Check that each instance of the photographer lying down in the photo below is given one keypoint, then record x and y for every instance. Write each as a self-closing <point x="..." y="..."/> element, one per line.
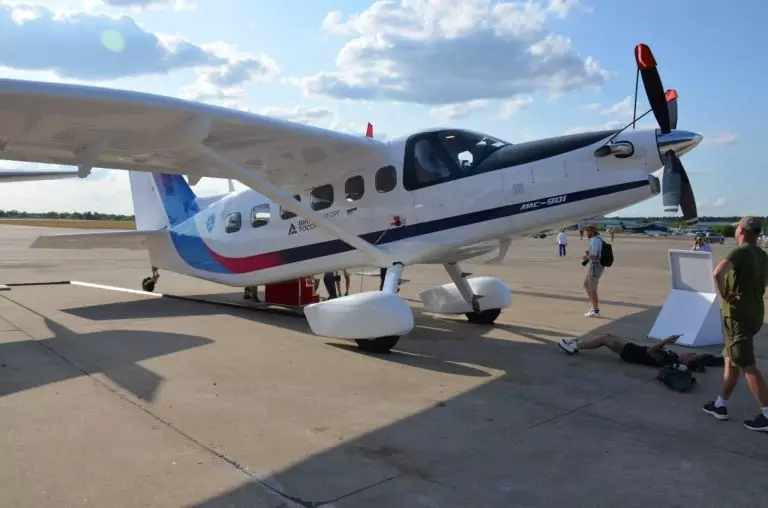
<point x="652" y="356"/>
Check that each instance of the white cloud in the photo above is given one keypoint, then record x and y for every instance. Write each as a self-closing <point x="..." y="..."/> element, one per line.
<point x="104" y="191"/>
<point x="225" y="84"/>
<point x="97" y="47"/>
<point x="445" y="52"/>
<point x="457" y="111"/>
<point x="176" y="5"/>
<point x="514" y="107"/>
<point x="301" y="114"/>
<point x="720" y="138"/>
<point x="622" y="109"/>
<point x="714" y="204"/>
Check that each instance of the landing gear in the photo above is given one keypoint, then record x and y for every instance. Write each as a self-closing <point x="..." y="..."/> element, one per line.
<point x="477" y="316"/>
<point x="381" y="345"/>
<point x="148" y="284"/>
<point x="484" y="317"/>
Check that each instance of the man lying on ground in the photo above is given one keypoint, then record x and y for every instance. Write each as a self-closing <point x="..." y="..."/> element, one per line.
<point x="652" y="356"/>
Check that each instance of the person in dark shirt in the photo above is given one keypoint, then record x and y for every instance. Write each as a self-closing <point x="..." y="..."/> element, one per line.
<point x="741" y="278"/>
<point x="651" y="356"/>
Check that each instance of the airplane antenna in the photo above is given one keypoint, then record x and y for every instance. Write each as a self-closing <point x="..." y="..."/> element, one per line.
<point x="231" y="185"/>
<point x="627" y="126"/>
<point x="634" y="110"/>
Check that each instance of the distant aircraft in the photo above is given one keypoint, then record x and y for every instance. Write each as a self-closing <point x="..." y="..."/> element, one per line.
<point x="653" y="229"/>
<point x="321" y="201"/>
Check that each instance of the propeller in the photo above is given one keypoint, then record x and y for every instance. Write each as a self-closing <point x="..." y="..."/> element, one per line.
<point x="671" y="98"/>
<point x="676" y="189"/>
<point x="654" y="90"/>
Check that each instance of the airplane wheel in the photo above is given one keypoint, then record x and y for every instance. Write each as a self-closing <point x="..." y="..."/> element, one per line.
<point x="484" y="317"/>
<point x="148" y="284"/>
<point x="378" y="345"/>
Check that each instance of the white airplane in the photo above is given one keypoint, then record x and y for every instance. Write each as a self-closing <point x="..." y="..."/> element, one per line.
<point x="320" y="200"/>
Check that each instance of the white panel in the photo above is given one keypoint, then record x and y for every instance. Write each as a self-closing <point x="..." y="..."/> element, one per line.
<point x="694" y="315"/>
<point x="691" y="271"/>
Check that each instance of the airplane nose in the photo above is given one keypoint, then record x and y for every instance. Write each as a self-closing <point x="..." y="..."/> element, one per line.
<point x="680" y="142"/>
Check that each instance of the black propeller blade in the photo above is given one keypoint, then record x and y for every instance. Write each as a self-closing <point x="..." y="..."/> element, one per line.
<point x="677" y="189"/>
<point x="671" y="97"/>
<point x="654" y="90"/>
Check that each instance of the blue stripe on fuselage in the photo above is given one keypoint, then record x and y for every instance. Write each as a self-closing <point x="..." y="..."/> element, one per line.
<point x="193" y="250"/>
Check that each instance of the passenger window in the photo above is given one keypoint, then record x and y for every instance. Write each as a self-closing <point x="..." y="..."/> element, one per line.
<point x="233" y="223"/>
<point x="321" y="197"/>
<point x="354" y="188"/>
<point x="386" y="179"/>
<point x="285" y="214"/>
<point x="260" y="215"/>
<point x="429" y="166"/>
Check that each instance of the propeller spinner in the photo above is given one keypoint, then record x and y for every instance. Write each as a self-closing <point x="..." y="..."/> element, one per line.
<point x="677" y="191"/>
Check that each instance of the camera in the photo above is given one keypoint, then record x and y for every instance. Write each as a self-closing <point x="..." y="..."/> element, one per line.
<point x="585" y="262"/>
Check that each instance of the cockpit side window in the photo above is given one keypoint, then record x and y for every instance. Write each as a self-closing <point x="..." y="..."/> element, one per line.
<point x="469" y="149"/>
<point x="425" y="163"/>
<point x="442" y="156"/>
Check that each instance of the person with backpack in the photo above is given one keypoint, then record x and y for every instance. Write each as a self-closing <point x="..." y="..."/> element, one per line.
<point x="596" y="258"/>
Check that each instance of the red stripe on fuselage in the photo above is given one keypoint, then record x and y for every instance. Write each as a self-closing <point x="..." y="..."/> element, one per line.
<point x="248" y="264"/>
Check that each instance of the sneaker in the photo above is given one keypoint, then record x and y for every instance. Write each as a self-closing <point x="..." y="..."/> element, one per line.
<point x="721" y="413"/>
<point x="592" y="313"/>
<point x="570" y="346"/>
<point x="759" y="423"/>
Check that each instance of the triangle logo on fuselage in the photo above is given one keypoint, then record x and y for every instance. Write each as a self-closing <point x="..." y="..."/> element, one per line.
<point x="292" y="230"/>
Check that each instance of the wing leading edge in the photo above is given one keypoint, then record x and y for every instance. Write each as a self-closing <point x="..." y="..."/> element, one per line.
<point x="78" y="125"/>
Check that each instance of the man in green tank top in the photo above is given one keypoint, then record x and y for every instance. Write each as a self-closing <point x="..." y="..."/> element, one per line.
<point x="741" y="278"/>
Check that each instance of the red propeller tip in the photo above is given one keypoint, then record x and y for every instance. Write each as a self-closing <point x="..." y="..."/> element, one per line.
<point x="644" y="57"/>
<point x="369" y="131"/>
<point x="671" y="95"/>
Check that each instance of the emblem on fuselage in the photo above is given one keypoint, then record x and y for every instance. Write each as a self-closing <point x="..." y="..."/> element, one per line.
<point x="209" y="222"/>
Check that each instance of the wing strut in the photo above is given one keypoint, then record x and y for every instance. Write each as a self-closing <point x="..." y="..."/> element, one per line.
<point x="253" y="180"/>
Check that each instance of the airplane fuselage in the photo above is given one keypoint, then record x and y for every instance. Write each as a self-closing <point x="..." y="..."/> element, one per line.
<point x="414" y="206"/>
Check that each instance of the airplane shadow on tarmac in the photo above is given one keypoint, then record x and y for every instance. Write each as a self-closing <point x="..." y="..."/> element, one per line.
<point x="544" y="429"/>
<point x="26" y="364"/>
<point x="585" y="430"/>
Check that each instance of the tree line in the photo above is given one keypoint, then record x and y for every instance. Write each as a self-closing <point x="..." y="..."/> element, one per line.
<point x="16" y="214"/>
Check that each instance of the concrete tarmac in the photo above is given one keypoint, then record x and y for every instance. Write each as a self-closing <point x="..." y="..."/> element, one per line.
<point x="122" y="400"/>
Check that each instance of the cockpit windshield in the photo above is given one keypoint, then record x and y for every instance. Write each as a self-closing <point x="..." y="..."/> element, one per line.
<point x="469" y="149"/>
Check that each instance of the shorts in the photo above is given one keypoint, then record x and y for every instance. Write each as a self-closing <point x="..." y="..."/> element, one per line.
<point x="739" y="344"/>
<point x="592" y="279"/>
<point x="632" y="353"/>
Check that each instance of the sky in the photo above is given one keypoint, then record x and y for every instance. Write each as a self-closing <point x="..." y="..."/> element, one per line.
<point x="519" y="70"/>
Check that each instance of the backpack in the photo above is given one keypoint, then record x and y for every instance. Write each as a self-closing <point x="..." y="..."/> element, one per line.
<point x="677" y="377"/>
<point x="606" y="253"/>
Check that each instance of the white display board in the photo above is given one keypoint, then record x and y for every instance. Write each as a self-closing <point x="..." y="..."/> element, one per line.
<point x="691" y="271"/>
<point x="692" y="307"/>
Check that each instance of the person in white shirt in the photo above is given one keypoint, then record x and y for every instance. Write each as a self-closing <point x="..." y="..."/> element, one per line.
<point x="700" y="244"/>
<point x="562" y="241"/>
<point x="594" y="269"/>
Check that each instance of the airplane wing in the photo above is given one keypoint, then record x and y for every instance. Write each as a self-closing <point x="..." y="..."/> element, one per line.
<point x="130" y="240"/>
<point x="85" y="126"/>
<point x="12" y="175"/>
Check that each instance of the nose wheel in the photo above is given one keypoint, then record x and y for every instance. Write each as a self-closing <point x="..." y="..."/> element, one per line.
<point x="148" y="284"/>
